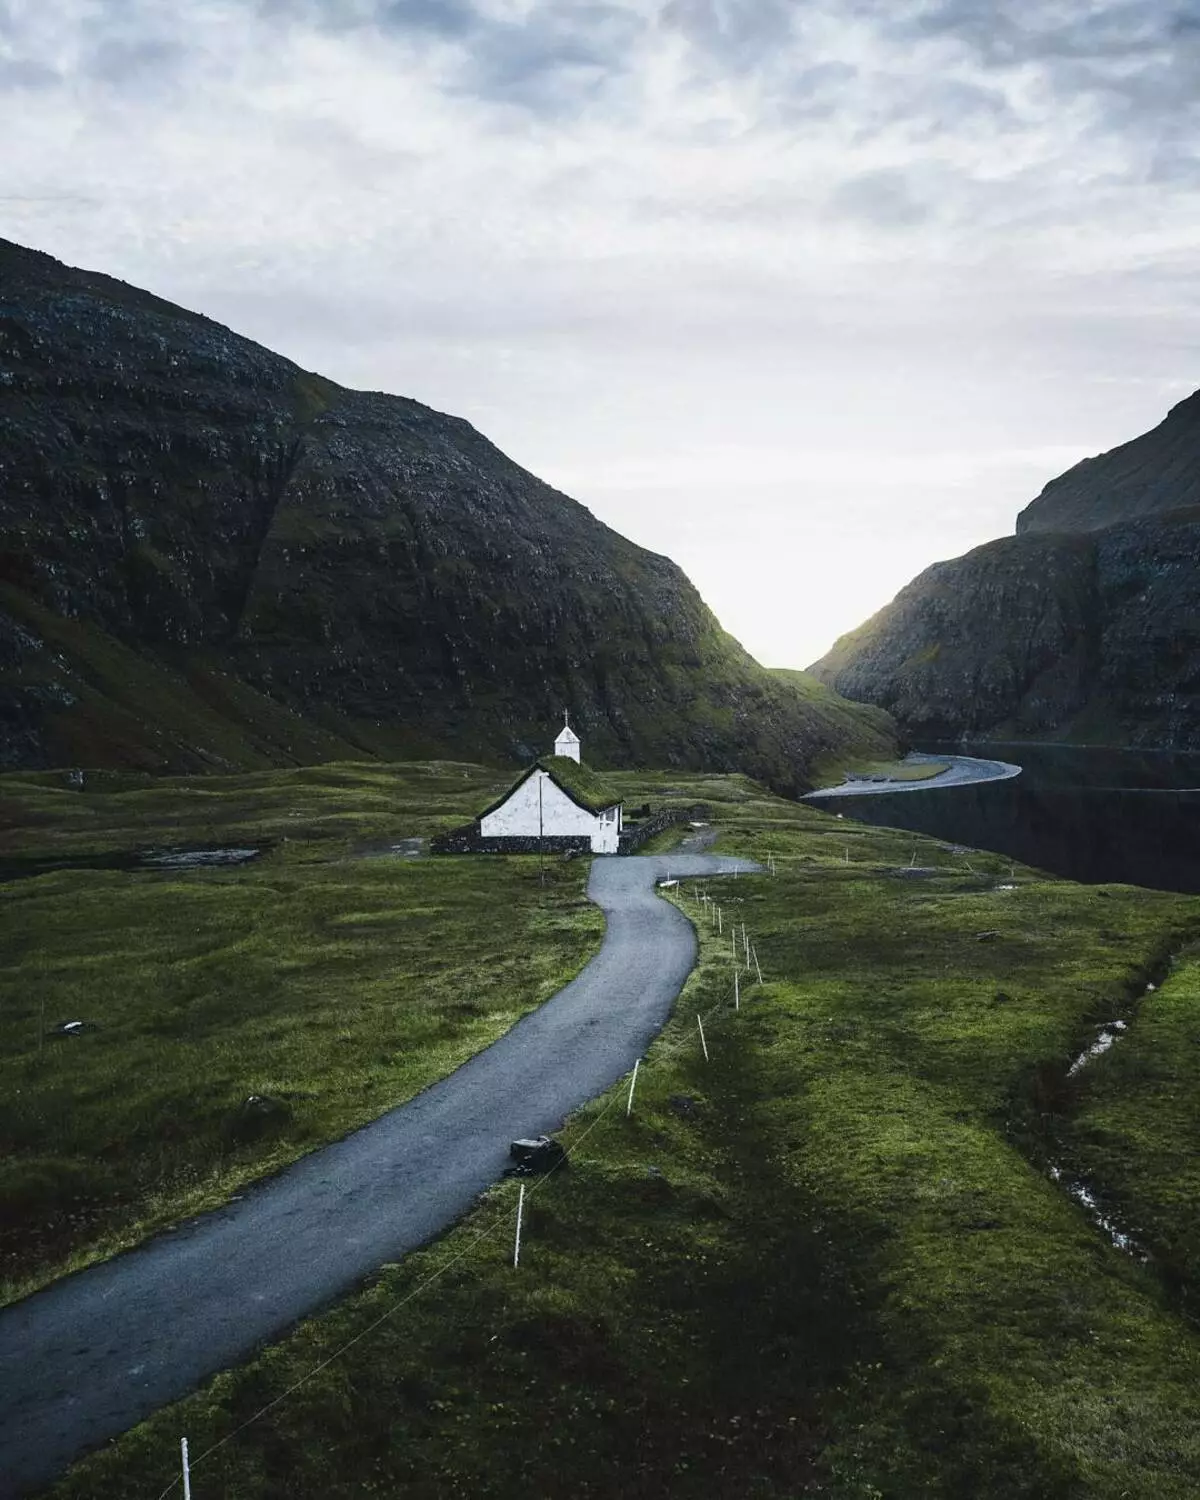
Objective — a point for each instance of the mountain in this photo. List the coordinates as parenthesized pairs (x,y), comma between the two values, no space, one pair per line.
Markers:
(1085,626)
(1154,475)
(211,558)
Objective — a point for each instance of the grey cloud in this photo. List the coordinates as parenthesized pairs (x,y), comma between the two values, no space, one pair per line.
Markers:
(809,92)
(444,18)
(135,60)
(884,199)
(548,62)
(1138,60)
(26,73)
(561,53)
(119,44)
(1005,32)
(950,103)
(738,35)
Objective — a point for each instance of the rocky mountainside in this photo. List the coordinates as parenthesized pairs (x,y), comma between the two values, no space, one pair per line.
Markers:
(1153,475)
(1084,626)
(210,558)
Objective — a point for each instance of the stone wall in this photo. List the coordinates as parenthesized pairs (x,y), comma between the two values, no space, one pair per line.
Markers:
(468,840)
(634,835)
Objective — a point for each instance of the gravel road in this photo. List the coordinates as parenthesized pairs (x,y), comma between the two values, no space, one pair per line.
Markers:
(962,770)
(96,1352)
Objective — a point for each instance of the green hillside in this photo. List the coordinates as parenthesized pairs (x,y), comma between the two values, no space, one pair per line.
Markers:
(212,559)
(831,1260)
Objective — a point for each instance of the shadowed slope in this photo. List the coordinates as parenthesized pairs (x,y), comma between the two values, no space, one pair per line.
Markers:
(376,567)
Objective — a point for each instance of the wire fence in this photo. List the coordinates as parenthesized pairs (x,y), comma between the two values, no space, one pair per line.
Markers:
(664,1048)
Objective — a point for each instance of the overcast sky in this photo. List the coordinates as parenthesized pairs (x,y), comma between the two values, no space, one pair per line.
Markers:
(805,295)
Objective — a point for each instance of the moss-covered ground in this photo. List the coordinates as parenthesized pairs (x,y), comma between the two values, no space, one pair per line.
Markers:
(827,1261)
(324,986)
(1133,1132)
(310,813)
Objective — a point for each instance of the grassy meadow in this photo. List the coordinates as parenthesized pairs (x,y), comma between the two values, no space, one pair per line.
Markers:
(1136,1128)
(310,813)
(830,1260)
(324,986)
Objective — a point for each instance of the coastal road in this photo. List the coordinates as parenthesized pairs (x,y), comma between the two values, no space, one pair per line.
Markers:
(961,770)
(96,1352)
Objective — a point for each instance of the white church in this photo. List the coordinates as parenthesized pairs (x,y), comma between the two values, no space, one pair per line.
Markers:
(558,796)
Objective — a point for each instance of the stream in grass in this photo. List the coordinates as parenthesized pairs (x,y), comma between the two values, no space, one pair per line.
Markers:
(1089,815)
(1107,1036)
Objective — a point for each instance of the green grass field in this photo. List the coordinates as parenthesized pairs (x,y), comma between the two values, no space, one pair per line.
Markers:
(313,812)
(1135,1127)
(332,986)
(829,1261)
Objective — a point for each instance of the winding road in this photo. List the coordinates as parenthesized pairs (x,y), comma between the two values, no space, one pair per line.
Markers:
(95,1353)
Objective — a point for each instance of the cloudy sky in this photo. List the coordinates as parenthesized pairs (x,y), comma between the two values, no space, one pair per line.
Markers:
(806,295)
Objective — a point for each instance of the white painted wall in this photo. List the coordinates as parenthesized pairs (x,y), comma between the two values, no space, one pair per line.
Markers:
(518,816)
(567,744)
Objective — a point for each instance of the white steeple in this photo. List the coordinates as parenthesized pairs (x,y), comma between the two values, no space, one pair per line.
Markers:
(567,742)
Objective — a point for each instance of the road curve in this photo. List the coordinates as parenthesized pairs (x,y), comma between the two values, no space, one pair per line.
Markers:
(961,770)
(95,1353)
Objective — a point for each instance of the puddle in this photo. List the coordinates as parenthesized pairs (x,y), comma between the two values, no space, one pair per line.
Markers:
(186,859)
(407,848)
(137,859)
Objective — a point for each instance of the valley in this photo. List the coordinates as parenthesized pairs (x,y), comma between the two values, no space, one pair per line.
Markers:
(859,1225)
(830,1260)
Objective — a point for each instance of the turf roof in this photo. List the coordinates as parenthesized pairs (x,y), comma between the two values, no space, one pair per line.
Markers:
(581,783)
(584,786)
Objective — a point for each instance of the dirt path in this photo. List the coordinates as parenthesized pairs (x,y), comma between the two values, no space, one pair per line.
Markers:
(96,1352)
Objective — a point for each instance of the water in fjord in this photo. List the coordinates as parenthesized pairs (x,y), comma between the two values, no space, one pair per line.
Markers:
(1091,815)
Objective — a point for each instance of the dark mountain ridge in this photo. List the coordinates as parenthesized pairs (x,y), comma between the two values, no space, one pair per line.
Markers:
(1153,475)
(210,557)
(1084,626)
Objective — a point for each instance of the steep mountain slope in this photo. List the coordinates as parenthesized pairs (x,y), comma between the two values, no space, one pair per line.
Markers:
(1154,474)
(209,556)
(1084,626)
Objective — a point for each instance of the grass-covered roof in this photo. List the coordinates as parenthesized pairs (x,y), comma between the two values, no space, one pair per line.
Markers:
(581,783)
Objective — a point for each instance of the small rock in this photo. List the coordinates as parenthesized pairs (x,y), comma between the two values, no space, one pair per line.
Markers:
(256,1115)
(73,1028)
(539,1154)
(986,937)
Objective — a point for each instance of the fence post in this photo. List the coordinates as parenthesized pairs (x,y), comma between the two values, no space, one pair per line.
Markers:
(703,1043)
(187,1472)
(632,1085)
(517,1241)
